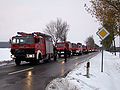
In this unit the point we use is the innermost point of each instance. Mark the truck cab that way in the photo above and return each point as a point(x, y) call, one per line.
point(62, 46)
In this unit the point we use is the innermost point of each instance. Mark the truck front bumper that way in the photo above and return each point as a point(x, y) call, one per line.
point(25, 56)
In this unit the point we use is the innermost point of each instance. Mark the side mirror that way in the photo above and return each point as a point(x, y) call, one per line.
point(37, 40)
point(10, 41)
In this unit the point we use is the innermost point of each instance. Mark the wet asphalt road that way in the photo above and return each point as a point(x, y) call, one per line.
point(36, 77)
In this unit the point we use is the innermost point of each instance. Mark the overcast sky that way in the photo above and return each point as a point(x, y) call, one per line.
point(33, 15)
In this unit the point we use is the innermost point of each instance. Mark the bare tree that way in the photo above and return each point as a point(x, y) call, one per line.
point(90, 42)
point(57, 30)
point(64, 31)
point(107, 12)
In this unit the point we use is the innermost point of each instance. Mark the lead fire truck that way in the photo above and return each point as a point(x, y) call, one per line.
point(31, 47)
point(76, 49)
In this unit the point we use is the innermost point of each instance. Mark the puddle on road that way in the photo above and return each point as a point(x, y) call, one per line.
point(29, 81)
point(62, 68)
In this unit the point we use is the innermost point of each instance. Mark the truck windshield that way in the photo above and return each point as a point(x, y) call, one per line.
point(22, 40)
point(59, 45)
point(74, 46)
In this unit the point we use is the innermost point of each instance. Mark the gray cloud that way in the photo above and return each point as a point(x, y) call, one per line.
point(33, 15)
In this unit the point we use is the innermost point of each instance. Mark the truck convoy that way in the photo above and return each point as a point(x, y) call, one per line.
point(38, 47)
point(31, 47)
point(71, 48)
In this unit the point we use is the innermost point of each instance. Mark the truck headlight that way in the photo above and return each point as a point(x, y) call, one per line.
point(30, 55)
point(62, 52)
point(77, 51)
point(12, 56)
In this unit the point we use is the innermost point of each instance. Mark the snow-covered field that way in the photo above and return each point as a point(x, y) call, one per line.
point(5, 54)
point(109, 79)
point(77, 80)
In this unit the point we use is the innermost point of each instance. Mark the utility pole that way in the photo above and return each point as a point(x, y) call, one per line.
point(102, 59)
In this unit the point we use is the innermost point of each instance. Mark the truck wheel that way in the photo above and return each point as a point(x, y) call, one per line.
point(69, 54)
point(39, 59)
point(55, 57)
point(59, 56)
point(48, 59)
point(17, 61)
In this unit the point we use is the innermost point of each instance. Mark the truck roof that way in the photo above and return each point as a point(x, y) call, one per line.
point(32, 34)
point(41, 34)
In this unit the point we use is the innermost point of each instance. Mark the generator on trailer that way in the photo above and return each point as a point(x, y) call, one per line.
point(31, 47)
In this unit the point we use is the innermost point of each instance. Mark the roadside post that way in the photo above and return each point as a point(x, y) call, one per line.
point(88, 66)
point(102, 33)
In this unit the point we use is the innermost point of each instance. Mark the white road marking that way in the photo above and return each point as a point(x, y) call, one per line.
point(20, 71)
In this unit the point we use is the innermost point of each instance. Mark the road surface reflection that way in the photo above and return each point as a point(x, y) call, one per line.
point(62, 68)
point(29, 81)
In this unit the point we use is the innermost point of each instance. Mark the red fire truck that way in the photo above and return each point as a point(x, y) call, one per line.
point(62, 46)
point(79, 49)
point(31, 47)
point(85, 50)
point(76, 49)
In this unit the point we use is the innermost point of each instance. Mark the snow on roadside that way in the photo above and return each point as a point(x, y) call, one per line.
point(77, 80)
point(5, 54)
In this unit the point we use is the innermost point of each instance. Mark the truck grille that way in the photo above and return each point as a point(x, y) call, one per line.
point(22, 52)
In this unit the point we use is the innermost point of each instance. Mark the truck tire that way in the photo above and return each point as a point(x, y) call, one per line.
point(48, 59)
point(36, 60)
point(69, 54)
point(39, 58)
point(59, 56)
point(55, 57)
point(17, 61)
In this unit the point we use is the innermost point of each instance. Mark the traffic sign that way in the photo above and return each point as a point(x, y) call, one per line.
point(102, 33)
